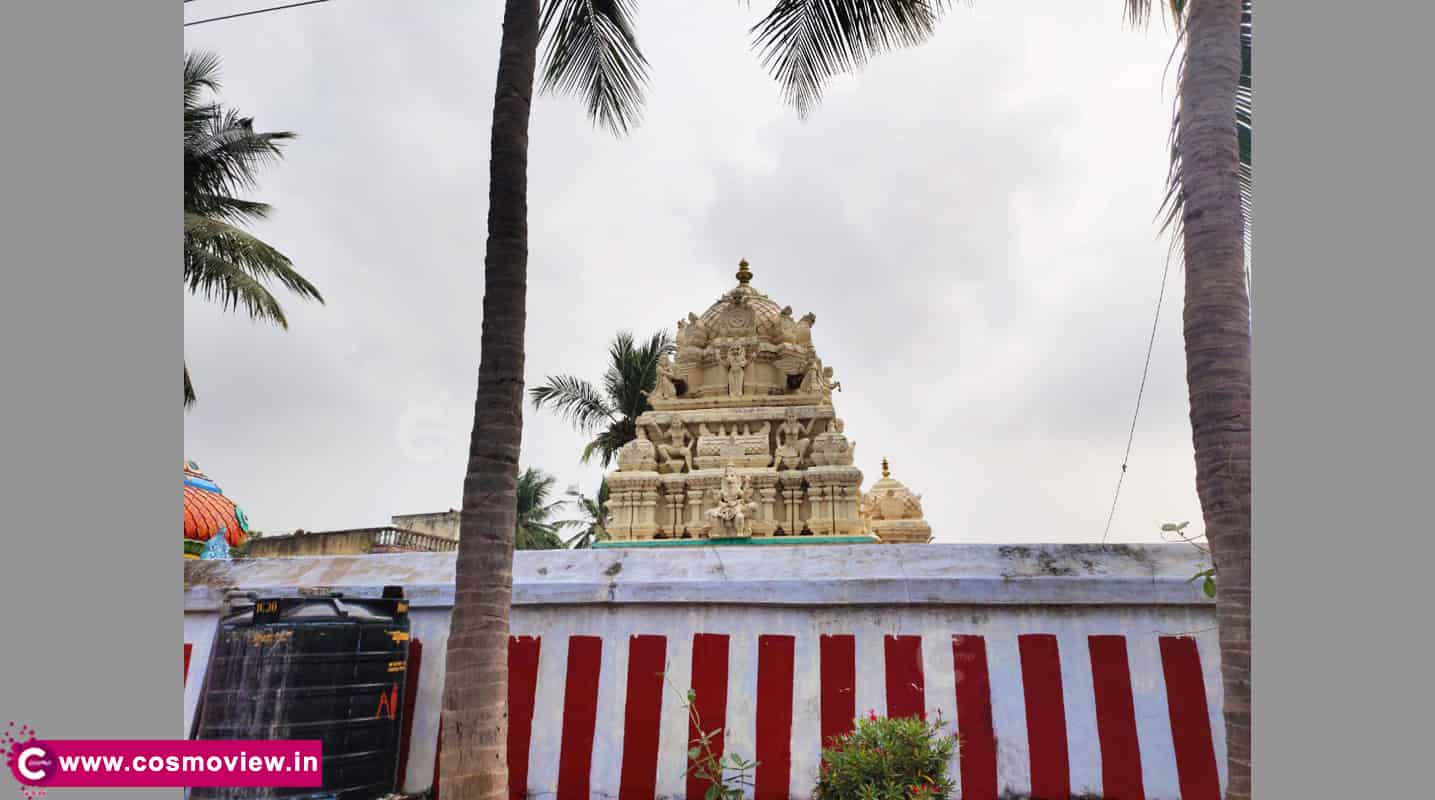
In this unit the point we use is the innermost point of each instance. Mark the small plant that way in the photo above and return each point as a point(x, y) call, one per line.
point(888, 759)
point(1206, 576)
point(727, 775)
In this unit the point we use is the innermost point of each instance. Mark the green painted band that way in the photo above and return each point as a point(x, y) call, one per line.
point(729, 542)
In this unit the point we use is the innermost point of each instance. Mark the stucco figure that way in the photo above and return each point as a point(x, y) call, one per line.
point(736, 362)
point(665, 388)
point(793, 440)
point(745, 393)
point(735, 509)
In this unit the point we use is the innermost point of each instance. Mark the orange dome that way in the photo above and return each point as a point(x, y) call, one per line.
point(207, 511)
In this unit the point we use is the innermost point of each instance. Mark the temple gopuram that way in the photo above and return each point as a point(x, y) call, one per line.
point(743, 444)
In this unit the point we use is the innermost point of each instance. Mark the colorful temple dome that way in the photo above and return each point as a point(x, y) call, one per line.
point(207, 512)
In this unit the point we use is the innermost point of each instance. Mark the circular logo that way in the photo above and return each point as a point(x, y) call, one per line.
point(34, 764)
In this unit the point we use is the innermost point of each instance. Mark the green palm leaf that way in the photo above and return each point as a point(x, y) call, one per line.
point(592, 52)
point(189, 396)
point(219, 255)
point(805, 43)
point(591, 520)
point(609, 415)
point(535, 527)
point(223, 155)
point(577, 401)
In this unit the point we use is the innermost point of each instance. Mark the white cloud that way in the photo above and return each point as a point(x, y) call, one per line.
point(971, 222)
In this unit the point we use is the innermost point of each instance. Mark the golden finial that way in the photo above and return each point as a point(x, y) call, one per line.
point(885, 472)
point(744, 275)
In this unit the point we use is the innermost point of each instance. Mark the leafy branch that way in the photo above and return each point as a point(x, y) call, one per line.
point(1207, 576)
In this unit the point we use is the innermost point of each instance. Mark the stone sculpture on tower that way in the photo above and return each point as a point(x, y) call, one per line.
point(742, 440)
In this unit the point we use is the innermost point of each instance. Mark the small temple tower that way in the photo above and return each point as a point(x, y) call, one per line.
point(893, 513)
point(742, 441)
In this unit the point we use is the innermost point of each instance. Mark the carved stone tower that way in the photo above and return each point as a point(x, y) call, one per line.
point(742, 440)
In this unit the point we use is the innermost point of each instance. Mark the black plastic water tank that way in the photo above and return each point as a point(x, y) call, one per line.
point(328, 668)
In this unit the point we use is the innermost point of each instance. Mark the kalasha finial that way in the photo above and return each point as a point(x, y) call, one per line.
point(885, 472)
point(744, 275)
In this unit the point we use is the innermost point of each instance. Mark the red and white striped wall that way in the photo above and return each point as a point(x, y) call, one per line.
point(1066, 670)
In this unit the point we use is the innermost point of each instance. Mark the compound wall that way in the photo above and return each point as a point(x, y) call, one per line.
point(1068, 670)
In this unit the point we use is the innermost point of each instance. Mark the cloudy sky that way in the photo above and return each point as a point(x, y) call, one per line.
point(971, 221)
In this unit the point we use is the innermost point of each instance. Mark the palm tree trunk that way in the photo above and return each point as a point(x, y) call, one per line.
point(1218, 347)
point(474, 733)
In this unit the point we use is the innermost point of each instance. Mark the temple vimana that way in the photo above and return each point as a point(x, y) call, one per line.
point(743, 441)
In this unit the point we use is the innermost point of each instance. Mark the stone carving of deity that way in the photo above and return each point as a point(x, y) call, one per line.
point(736, 362)
point(678, 447)
point(818, 378)
point(735, 509)
point(664, 389)
point(793, 440)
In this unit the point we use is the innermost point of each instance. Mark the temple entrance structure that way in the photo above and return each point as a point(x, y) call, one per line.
point(743, 442)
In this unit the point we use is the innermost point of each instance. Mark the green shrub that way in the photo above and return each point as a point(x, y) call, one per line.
point(888, 759)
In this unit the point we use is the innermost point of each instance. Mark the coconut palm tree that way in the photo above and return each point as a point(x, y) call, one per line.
point(222, 157)
point(536, 529)
point(1209, 207)
point(593, 52)
point(609, 415)
point(592, 521)
point(807, 42)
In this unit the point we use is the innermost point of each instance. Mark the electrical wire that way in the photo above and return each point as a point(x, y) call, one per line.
point(1131, 437)
point(252, 13)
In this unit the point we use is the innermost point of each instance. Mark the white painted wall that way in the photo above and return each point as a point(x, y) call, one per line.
point(869, 591)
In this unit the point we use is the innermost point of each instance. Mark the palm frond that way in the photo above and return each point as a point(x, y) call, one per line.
point(242, 249)
point(534, 529)
point(189, 396)
point(201, 74)
point(223, 156)
point(607, 443)
point(805, 43)
point(529, 538)
point(593, 52)
point(231, 266)
point(575, 400)
point(1138, 12)
point(591, 520)
point(633, 371)
point(228, 209)
point(214, 278)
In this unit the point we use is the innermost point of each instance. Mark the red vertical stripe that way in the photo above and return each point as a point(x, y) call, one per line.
point(437, 752)
point(642, 713)
point(977, 755)
point(774, 717)
point(1115, 719)
point(838, 660)
point(411, 693)
point(522, 690)
point(906, 691)
point(710, 684)
point(1045, 716)
point(187, 648)
point(1190, 719)
point(580, 715)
